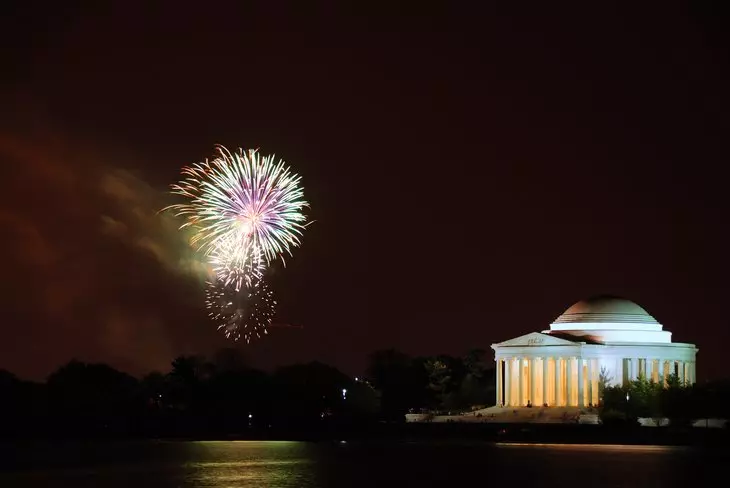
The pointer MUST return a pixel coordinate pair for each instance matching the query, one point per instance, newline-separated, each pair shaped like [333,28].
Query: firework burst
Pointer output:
[235,266]
[244,313]
[244,203]
[245,211]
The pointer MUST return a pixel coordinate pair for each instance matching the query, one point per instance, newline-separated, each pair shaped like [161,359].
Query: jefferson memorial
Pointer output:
[604,336]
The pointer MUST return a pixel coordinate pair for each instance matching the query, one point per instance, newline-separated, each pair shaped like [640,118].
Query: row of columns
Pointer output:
[555,381]
[572,381]
[659,370]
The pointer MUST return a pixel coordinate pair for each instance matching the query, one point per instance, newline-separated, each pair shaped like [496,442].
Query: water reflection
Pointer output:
[243,464]
[387,464]
[594,447]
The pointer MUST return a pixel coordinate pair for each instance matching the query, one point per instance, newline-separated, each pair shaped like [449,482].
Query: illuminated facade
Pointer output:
[606,336]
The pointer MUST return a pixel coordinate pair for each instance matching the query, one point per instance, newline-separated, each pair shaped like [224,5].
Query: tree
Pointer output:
[676,402]
[363,400]
[230,396]
[185,382]
[307,393]
[154,389]
[476,391]
[188,369]
[474,363]
[91,397]
[445,375]
[23,406]
[604,380]
[439,375]
[401,382]
[230,359]
[625,404]
[478,386]
[614,407]
[645,399]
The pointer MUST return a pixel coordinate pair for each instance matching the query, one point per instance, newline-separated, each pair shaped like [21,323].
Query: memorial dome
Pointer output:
[609,319]
[606,309]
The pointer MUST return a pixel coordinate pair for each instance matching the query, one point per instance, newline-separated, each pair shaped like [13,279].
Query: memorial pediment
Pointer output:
[535,339]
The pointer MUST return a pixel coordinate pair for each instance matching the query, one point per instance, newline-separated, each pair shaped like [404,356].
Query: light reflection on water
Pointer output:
[595,447]
[160,464]
[352,465]
[262,464]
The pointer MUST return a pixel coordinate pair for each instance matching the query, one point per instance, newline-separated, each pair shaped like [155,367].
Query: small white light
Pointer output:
[250,415]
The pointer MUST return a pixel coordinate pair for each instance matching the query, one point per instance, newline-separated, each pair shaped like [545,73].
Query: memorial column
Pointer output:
[569,381]
[521,380]
[680,370]
[634,369]
[682,373]
[581,391]
[500,398]
[545,362]
[556,391]
[590,381]
[533,380]
[508,382]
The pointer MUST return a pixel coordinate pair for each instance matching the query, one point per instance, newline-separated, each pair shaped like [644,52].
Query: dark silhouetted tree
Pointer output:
[401,382]
[92,398]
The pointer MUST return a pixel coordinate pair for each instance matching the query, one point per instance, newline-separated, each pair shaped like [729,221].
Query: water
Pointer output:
[353,465]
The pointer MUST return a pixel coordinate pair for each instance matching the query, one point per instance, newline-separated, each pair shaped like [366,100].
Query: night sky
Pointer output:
[471,173]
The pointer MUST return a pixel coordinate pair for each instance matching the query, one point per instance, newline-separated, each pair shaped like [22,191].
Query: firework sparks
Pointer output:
[245,203]
[245,212]
[246,312]
[236,266]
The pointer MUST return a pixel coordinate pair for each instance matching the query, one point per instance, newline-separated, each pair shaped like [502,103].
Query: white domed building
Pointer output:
[604,335]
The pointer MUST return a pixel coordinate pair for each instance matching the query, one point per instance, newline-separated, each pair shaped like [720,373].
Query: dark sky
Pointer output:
[471,173]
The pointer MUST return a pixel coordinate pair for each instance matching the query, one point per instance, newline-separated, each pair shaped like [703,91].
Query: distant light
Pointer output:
[344,392]
[250,415]
[357,379]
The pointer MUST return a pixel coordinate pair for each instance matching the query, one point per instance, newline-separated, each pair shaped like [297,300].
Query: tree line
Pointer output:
[678,403]
[225,396]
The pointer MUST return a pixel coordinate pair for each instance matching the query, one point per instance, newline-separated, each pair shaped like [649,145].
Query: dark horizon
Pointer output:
[471,174]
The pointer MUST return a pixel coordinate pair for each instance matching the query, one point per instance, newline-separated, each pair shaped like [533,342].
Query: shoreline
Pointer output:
[511,434]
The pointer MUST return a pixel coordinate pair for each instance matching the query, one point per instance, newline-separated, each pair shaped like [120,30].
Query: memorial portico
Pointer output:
[606,336]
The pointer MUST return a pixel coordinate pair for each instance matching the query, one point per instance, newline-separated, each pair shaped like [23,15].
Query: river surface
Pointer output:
[354,464]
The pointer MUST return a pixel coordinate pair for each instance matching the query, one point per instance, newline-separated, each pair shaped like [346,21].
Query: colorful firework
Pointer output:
[244,203]
[245,211]
[236,267]
[246,312]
